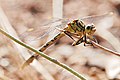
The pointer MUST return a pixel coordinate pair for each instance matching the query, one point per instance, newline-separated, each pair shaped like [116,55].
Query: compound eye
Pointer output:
[88,27]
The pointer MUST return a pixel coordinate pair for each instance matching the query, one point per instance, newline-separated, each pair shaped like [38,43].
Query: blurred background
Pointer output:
[91,62]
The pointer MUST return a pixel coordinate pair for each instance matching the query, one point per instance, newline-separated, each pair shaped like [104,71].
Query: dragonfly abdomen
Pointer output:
[45,46]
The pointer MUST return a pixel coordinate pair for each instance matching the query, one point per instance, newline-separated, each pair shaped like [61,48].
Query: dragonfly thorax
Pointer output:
[76,26]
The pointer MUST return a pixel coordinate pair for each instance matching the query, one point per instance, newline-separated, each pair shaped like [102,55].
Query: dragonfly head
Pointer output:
[90,29]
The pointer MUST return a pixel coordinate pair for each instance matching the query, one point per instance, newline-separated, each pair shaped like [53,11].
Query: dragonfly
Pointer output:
[76,28]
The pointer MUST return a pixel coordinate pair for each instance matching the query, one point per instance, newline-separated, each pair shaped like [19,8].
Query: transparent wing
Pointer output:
[46,29]
[60,24]
[95,18]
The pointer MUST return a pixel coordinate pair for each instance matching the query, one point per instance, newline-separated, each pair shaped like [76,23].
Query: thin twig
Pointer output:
[44,55]
[105,49]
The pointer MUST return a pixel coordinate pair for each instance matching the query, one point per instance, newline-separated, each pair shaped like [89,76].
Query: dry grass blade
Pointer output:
[7,26]
[110,38]
[57,8]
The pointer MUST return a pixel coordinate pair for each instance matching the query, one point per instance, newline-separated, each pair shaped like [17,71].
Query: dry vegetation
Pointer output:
[93,63]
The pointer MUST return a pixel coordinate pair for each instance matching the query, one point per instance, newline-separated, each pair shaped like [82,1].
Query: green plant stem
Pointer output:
[44,55]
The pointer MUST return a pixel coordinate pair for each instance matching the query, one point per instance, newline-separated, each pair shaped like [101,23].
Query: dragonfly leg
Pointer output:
[66,32]
[69,35]
[78,42]
[88,42]
[93,39]
[85,40]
